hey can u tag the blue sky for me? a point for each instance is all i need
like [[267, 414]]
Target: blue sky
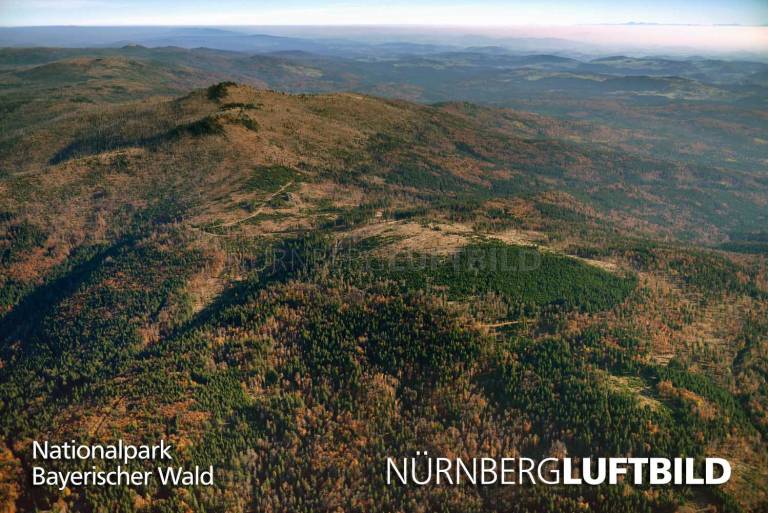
[[419, 12]]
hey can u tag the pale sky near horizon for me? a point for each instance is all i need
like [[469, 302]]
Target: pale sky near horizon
[[397, 12]]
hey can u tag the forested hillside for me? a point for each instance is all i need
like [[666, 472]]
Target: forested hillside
[[293, 287]]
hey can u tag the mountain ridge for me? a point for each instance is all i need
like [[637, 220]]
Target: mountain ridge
[[292, 287]]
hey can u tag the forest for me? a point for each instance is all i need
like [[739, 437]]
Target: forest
[[293, 288]]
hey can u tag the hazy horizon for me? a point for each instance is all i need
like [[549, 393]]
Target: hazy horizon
[[634, 38], [419, 12], [652, 25]]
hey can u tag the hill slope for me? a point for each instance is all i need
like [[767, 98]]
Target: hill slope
[[293, 288]]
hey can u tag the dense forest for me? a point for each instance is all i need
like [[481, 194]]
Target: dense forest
[[294, 288]]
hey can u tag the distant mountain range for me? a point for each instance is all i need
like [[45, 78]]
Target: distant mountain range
[[340, 42]]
